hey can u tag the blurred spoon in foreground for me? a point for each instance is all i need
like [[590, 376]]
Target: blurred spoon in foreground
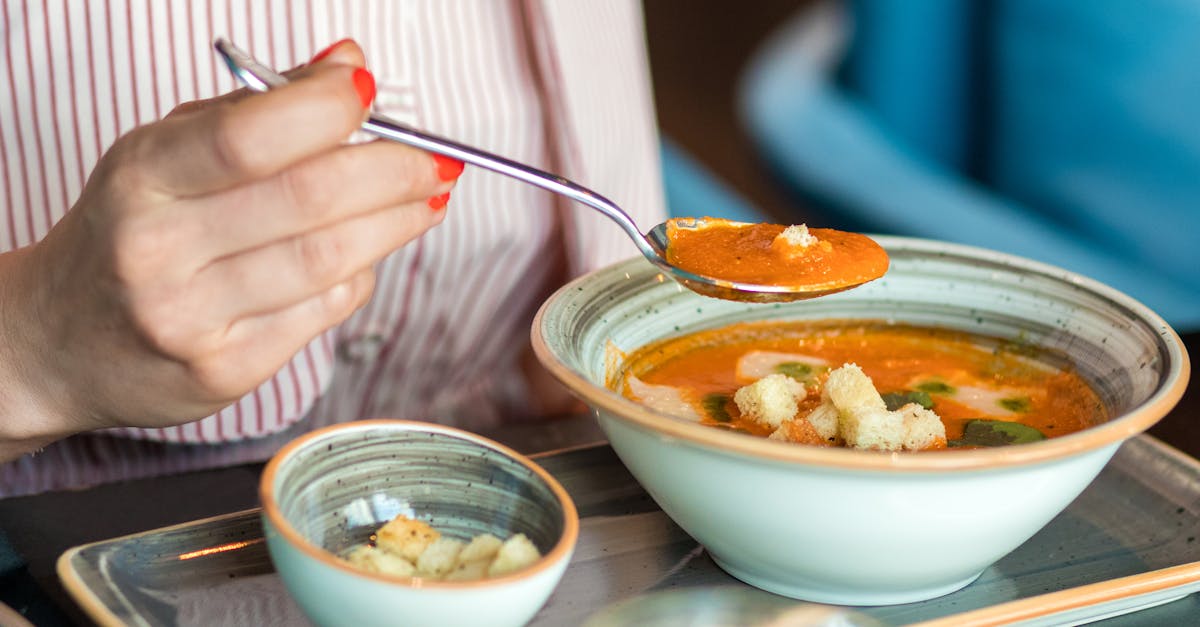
[[683, 247]]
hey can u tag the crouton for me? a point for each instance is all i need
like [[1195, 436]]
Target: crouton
[[405, 537], [516, 553], [824, 420], [796, 241], [864, 421], [796, 236], [871, 428], [771, 399], [923, 429], [852, 412], [474, 559], [469, 570], [799, 431], [440, 557], [849, 387], [482, 547], [375, 560]]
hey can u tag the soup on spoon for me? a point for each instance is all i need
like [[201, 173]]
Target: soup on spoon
[[787, 260]]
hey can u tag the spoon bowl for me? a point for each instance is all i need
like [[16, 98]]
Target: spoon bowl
[[726, 289], [653, 244]]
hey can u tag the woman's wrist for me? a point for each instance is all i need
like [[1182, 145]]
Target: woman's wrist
[[33, 400]]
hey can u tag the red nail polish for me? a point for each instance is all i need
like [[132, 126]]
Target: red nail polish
[[439, 201], [326, 52], [364, 84], [448, 168]]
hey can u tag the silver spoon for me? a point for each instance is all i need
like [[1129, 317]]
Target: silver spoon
[[652, 245]]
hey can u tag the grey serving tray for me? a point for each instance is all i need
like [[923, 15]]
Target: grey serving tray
[[1128, 543]]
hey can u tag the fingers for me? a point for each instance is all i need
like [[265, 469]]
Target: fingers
[[279, 275], [333, 186], [254, 348], [219, 147]]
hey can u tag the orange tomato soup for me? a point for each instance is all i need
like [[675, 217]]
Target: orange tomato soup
[[754, 253], [960, 377]]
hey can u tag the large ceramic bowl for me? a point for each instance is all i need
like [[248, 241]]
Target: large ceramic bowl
[[331, 489], [857, 527]]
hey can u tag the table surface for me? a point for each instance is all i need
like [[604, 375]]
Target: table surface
[[40, 528]]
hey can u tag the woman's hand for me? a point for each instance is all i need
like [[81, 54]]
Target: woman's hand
[[205, 250]]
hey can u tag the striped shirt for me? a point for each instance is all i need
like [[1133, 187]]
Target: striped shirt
[[560, 85]]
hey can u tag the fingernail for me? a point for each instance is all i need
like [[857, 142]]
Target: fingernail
[[448, 168], [326, 52], [364, 84], [439, 201]]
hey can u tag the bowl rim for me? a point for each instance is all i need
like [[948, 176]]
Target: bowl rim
[[1111, 432], [266, 488]]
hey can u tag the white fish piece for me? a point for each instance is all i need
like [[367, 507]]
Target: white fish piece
[[987, 400], [663, 398], [755, 365]]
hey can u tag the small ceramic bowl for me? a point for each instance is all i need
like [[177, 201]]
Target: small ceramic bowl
[[329, 490], [856, 527]]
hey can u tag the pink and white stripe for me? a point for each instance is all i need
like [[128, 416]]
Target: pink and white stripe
[[441, 336]]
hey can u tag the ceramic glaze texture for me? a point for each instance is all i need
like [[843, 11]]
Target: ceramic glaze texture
[[855, 527], [330, 490]]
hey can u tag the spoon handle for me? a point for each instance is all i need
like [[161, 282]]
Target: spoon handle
[[258, 77]]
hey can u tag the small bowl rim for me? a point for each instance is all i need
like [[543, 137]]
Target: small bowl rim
[[1113, 431], [270, 506]]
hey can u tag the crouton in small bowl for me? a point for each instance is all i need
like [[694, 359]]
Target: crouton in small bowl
[[388, 522], [860, 481]]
